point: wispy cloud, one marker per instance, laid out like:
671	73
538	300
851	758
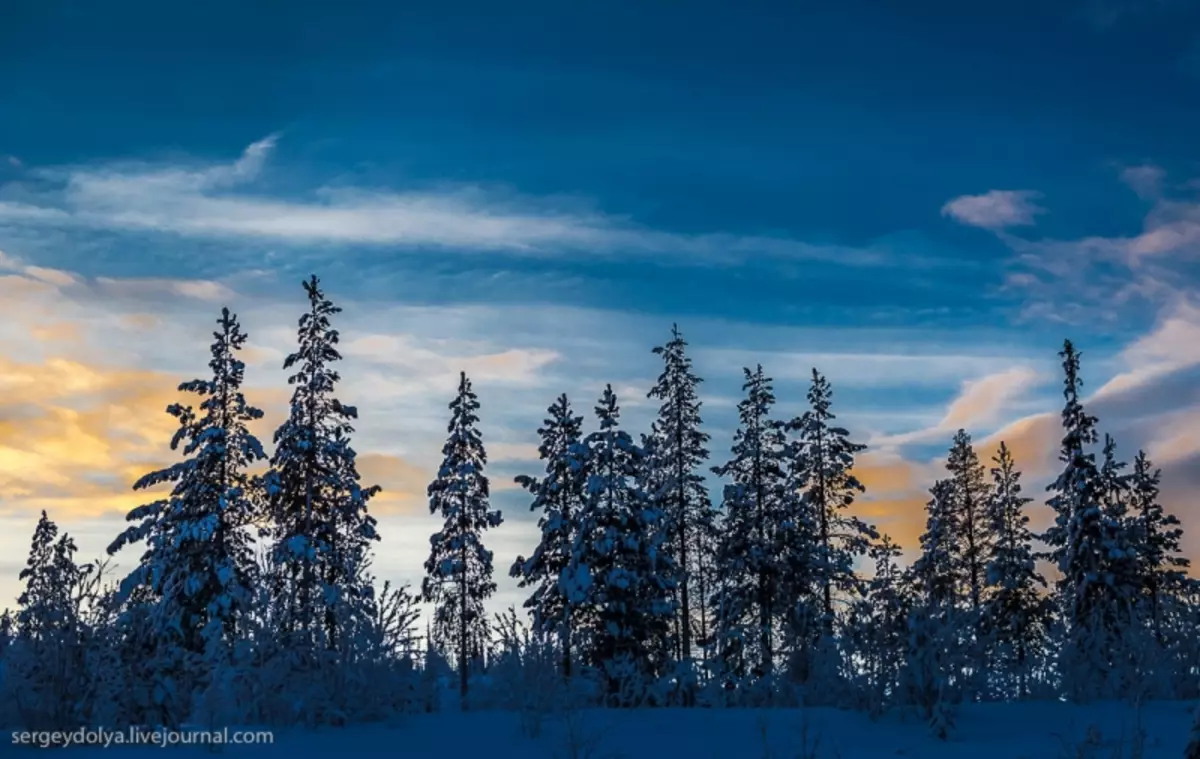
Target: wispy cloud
1174	344
980	403
1094	277
1145	180
223	201
996	209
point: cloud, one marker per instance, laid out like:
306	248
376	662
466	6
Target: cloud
225	201
1150	401
995	210
981	402
87	373
1178	440
73	437
1146	180
199	289
403	483
1109	278
886	366
127	288
53	277
1172	345
405	357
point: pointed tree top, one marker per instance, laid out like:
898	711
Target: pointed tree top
608	411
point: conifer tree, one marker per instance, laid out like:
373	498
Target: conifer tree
1120	533
825	456
882	616
46	607
680	452
934	569
619	570
1016	616
51	631
320	529
1075	490
650	483
1080	541
458	571
1161	569
198	564
932	656
799	554
972	533
747	605
559	497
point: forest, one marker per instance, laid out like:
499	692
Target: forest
253	600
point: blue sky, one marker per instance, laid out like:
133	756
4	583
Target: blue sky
921	198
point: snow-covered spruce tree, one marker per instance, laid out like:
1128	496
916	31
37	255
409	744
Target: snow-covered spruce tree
827	536
619	571
681	449
932	657
198	565
746	603
650	483
1081	544
1161	569
826	456
458	571
798	552
1016	615
971	548
1134	660
559	496
934	568
47	670
320	530
1122	531
880	631
973	538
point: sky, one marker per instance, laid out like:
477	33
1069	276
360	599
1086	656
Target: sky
921	199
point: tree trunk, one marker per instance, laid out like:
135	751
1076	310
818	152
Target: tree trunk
685	614
462	627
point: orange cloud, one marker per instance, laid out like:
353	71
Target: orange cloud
895	496
74	437
404	483
57	332
902	519
1033	440
70	435
980	402
981	399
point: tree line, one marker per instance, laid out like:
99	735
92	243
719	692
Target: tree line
253	599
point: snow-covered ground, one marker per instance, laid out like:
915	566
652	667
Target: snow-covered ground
993	731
